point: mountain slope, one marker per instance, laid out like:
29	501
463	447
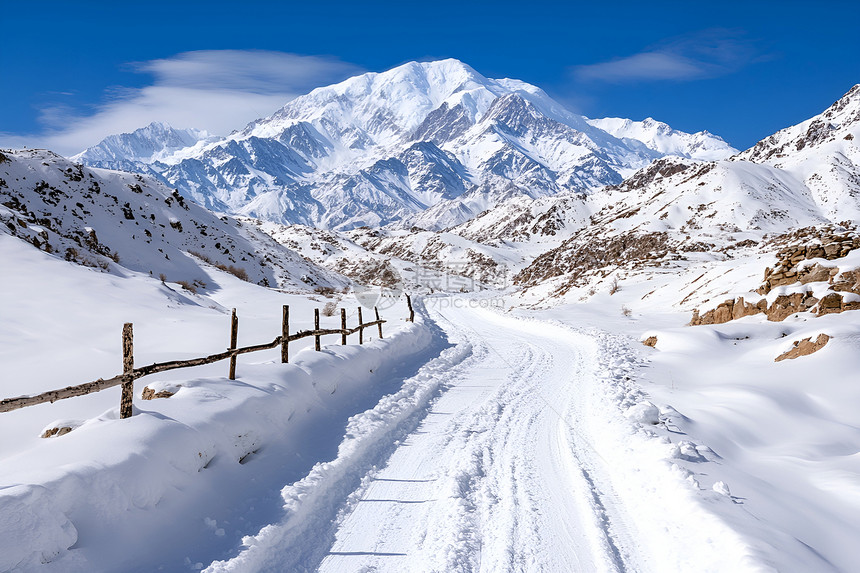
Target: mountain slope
100	218
805	175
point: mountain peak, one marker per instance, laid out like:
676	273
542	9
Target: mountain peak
661	137
836	127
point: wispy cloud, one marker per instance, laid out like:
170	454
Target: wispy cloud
706	54
215	90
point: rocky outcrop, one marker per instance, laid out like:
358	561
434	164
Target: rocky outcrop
821	243
729	310
650	341
834	303
782	307
584	254
804	347
150	394
799	247
56	432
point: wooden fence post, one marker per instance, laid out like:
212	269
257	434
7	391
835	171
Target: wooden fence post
343	326
125	401
411	312
316	327
360	328
379	324
234	339
285	335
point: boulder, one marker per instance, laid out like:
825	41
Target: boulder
150	394
804	347
56	432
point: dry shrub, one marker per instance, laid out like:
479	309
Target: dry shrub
329	308
237	272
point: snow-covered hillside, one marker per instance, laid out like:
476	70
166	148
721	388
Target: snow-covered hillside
113	220
382	148
802	176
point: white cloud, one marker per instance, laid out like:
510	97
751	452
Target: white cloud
215	90
644	66
706	54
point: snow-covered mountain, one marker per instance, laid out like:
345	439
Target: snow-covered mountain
112	221
156	142
802	176
432	144
658	136
676	208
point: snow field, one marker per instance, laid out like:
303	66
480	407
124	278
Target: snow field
770	449
784	434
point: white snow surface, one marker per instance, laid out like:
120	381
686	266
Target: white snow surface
102	496
522	465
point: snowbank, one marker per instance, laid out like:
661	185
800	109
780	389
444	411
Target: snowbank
106	468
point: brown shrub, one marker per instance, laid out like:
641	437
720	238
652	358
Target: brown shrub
329	309
187	286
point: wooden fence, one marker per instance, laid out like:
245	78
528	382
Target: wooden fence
130	373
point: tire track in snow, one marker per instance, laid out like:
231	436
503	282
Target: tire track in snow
478	473
493	495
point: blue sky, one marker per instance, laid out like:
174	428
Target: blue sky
74	72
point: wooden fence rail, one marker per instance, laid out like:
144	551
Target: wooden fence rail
130	373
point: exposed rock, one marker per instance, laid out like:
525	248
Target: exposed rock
782	307
56	432
804	347
729	310
834	303
650	341
787	304
150	394
583	254
805	244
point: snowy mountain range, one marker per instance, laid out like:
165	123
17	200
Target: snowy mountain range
431	144
723	442
802	176
674	209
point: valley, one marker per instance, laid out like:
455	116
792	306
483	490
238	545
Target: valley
633	348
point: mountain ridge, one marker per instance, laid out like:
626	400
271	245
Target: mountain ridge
496	139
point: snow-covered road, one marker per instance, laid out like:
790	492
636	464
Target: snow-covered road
489	480
474	465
